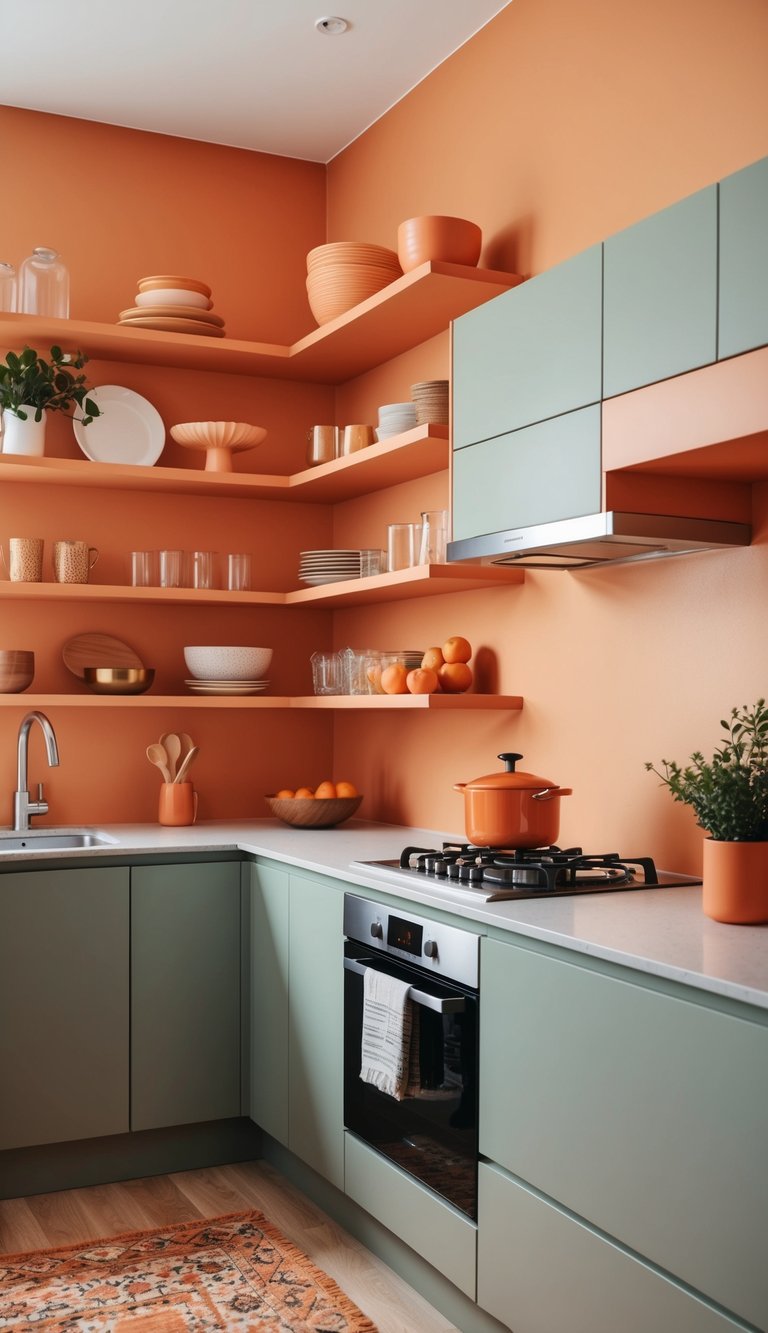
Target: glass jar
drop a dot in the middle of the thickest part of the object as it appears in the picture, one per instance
(7, 288)
(44, 284)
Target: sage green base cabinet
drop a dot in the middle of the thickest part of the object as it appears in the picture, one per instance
(63, 1005)
(743, 310)
(297, 996)
(660, 294)
(185, 993)
(639, 1106)
(541, 1271)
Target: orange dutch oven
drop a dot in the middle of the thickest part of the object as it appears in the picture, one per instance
(512, 809)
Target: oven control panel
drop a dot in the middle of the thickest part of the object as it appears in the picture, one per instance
(445, 950)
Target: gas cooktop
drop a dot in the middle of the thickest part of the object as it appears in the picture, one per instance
(493, 874)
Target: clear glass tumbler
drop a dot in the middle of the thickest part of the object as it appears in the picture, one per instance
(8, 295)
(171, 568)
(401, 546)
(326, 673)
(238, 572)
(143, 569)
(434, 536)
(201, 569)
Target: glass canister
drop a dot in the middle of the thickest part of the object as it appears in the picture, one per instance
(44, 284)
(7, 288)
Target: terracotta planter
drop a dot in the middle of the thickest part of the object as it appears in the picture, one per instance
(735, 879)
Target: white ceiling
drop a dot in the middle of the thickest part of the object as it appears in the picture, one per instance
(248, 73)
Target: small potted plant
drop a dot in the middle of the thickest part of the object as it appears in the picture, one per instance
(729, 795)
(31, 386)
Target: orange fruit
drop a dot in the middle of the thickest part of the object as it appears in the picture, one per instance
(457, 649)
(285, 794)
(455, 677)
(326, 791)
(423, 680)
(304, 794)
(346, 789)
(393, 679)
(433, 658)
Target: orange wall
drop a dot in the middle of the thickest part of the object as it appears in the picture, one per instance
(557, 125)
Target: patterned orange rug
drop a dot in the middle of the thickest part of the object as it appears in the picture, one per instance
(221, 1273)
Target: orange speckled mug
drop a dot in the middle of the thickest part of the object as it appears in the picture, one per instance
(178, 804)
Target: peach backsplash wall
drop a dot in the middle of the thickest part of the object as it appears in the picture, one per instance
(557, 125)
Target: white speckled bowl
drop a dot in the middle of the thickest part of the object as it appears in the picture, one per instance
(216, 663)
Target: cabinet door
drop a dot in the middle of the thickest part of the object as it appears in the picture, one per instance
(185, 999)
(540, 1270)
(743, 310)
(661, 295)
(543, 473)
(63, 1005)
(269, 904)
(316, 1044)
(645, 1113)
(531, 353)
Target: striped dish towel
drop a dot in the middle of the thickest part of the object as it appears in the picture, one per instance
(390, 1036)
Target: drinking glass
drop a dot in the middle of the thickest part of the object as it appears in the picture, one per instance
(171, 565)
(326, 673)
(201, 572)
(238, 572)
(143, 569)
(7, 287)
(401, 546)
(434, 529)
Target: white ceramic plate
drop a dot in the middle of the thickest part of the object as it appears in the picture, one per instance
(130, 429)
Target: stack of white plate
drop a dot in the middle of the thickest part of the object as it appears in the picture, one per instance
(319, 567)
(395, 419)
(227, 686)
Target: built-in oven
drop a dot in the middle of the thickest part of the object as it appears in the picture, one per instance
(430, 1131)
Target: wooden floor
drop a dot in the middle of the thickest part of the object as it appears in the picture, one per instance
(46, 1220)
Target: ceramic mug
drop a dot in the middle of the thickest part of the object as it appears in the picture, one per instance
(72, 561)
(322, 444)
(25, 559)
(178, 804)
(356, 437)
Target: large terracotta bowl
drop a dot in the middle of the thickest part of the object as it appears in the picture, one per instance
(449, 240)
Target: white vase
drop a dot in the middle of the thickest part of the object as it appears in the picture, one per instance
(23, 437)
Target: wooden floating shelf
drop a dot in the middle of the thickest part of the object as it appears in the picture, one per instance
(404, 314)
(433, 703)
(416, 453)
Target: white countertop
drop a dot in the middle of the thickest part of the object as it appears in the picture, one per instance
(662, 932)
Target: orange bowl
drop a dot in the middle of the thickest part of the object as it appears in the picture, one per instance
(311, 813)
(450, 240)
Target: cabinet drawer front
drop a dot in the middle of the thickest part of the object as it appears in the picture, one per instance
(269, 1028)
(743, 309)
(539, 1270)
(417, 1216)
(661, 295)
(644, 1113)
(537, 475)
(531, 353)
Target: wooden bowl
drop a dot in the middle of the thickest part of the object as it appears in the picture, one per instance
(17, 669)
(118, 680)
(312, 813)
(449, 240)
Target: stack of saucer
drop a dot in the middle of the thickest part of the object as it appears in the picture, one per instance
(431, 399)
(198, 686)
(174, 304)
(395, 418)
(319, 567)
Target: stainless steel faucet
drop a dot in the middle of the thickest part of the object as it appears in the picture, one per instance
(22, 806)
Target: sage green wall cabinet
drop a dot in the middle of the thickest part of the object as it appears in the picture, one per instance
(536, 475)
(744, 260)
(641, 1108)
(269, 952)
(531, 353)
(660, 292)
(63, 1005)
(185, 998)
(316, 1042)
(541, 1271)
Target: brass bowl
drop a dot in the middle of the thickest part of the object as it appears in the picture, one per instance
(311, 813)
(118, 680)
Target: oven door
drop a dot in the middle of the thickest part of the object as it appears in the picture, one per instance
(433, 1135)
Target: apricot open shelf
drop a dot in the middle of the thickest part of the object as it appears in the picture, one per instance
(416, 453)
(404, 314)
(433, 703)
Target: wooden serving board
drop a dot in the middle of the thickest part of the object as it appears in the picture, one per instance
(99, 650)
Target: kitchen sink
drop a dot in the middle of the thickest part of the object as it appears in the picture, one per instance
(53, 840)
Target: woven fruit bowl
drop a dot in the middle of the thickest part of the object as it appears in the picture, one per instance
(309, 812)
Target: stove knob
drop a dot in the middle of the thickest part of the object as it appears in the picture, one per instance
(377, 930)
(476, 874)
(430, 949)
(441, 867)
(453, 869)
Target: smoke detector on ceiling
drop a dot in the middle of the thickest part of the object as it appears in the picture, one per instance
(332, 25)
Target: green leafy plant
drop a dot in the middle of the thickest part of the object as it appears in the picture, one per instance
(28, 382)
(729, 793)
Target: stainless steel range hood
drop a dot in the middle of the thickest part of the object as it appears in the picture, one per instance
(599, 539)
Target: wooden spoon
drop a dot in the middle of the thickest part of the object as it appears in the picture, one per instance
(172, 744)
(186, 763)
(186, 743)
(157, 756)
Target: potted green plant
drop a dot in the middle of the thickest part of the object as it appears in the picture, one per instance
(30, 386)
(729, 796)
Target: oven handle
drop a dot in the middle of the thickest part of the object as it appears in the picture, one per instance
(453, 1005)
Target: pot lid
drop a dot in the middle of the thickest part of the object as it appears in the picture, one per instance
(510, 780)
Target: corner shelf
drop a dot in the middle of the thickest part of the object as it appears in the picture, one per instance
(404, 314)
(452, 703)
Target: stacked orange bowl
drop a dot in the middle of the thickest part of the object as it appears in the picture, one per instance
(172, 303)
(344, 273)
